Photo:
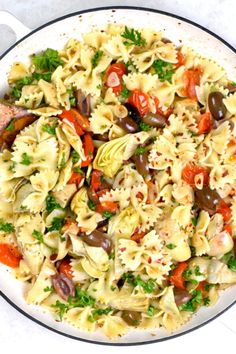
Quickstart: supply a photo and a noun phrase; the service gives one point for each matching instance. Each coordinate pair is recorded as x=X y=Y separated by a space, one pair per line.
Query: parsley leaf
x=48 y=288
x=133 y=37
x=124 y=93
x=38 y=235
x=26 y=159
x=6 y=226
x=197 y=271
x=15 y=92
x=75 y=156
x=144 y=126
x=47 y=60
x=111 y=255
x=96 y=58
x=140 y=150
x=43 y=76
x=99 y=312
x=163 y=69
x=206 y=301
x=148 y=286
x=170 y=246
x=61 y=308
x=194 y=221
x=72 y=98
x=192 y=304
x=91 y=205
x=150 y=311
x=107 y=214
x=51 y=203
x=57 y=224
x=232 y=264
x=50 y=129
x=11 y=126
x=78 y=170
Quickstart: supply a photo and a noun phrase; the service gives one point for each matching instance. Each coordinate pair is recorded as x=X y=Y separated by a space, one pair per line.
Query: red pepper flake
x=122 y=249
x=149 y=260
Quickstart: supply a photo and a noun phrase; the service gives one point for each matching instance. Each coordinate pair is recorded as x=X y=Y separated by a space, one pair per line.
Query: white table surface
x=18 y=333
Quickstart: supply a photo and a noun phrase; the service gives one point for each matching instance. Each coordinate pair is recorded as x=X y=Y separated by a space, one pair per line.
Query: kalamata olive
x=155 y=120
x=92 y=195
x=98 y=239
x=128 y=124
x=133 y=112
x=141 y=163
x=132 y=318
x=83 y=103
x=63 y=286
x=181 y=296
x=207 y=199
x=231 y=88
x=216 y=105
x=101 y=137
x=166 y=40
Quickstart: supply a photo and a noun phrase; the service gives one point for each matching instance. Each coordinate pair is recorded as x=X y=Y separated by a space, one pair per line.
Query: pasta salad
x=118 y=181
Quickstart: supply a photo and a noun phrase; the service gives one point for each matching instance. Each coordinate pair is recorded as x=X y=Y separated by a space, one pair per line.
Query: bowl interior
x=55 y=36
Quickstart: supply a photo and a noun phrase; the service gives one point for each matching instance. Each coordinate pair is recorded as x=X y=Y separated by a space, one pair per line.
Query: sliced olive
x=63 y=286
x=231 y=88
x=141 y=163
x=207 y=199
x=83 y=103
x=101 y=137
x=92 y=195
x=128 y=124
x=132 y=318
x=181 y=296
x=216 y=105
x=98 y=239
x=155 y=120
x=133 y=112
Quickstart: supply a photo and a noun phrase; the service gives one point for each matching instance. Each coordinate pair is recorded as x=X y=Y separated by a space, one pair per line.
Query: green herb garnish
x=72 y=98
x=107 y=214
x=144 y=126
x=51 y=203
x=163 y=69
x=43 y=76
x=50 y=129
x=75 y=156
x=194 y=221
x=99 y=312
x=133 y=37
x=192 y=304
x=15 y=92
x=6 y=226
x=48 y=288
x=148 y=286
x=47 y=60
x=38 y=235
x=140 y=150
x=150 y=311
x=11 y=126
x=171 y=246
x=197 y=271
x=78 y=170
x=91 y=205
x=113 y=288
x=57 y=224
x=26 y=159
x=96 y=58
x=206 y=301
x=111 y=255
x=124 y=93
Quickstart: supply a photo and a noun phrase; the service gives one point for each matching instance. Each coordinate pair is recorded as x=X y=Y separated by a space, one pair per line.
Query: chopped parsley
x=150 y=311
x=99 y=312
x=48 y=288
x=96 y=58
x=140 y=150
x=75 y=156
x=72 y=98
x=11 y=126
x=133 y=37
x=43 y=76
x=111 y=255
x=170 y=246
x=163 y=69
x=124 y=93
x=107 y=214
x=148 y=286
x=194 y=221
x=206 y=301
x=47 y=60
x=144 y=126
x=38 y=235
x=26 y=159
x=78 y=170
x=50 y=129
x=15 y=92
x=113 y=288
x=57 y=224
x=51 y=203
x=230 y=260
x=192 y=304
x=6 y=226
x=62 y=162
x=232 y=264
x=81 y=299
x=197 y=271
x=91 y=205
x=12 y=166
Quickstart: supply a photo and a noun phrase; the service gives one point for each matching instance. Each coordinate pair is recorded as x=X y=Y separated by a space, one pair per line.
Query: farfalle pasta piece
x=166 y=52
x=31 y=97
x=210 y=70
x=18 y=71
x=143 y=82
x=64 y=147
x=62 y=94
x=143 y=61
x=96 y=38
x=79 y=317
x=116 y=49
x=46 y=111
x=64 y=176
x=113 y=326
x=101 y=119
x=199 y=239
x=49 y=92
x=124 y=223
x=74 y=140
x=230 y=103
x=205 y=89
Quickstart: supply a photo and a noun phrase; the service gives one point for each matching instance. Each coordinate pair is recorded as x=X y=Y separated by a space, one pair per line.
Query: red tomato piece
x=180 y=58
x=177 y=278
x=75 y=178
x=107 y=206
x=228 y=228
x=114 y=75
x=9 y=255
x=192 y=79
x=224 y=210
x=66 y=268
x=88 y=150
x=96 y=179
x=190 y=171
x=159 y=110
x=205 y=123
x=139 y=100
x=137 y=236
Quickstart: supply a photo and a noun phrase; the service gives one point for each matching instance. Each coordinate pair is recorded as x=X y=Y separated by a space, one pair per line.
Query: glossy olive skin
x=132 y=318
x=83 y=103
x=92 y=195
x=154 y=120
x=63 y=286
x=207 y=199
x=128 y=124
x=141 y=163
x=216 y=105
x=181 y=296
x=133 y=112
x=101 y=137
x=98 y=239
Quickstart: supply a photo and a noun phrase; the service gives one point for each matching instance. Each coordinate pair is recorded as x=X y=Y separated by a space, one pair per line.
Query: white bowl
x=54 y=35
